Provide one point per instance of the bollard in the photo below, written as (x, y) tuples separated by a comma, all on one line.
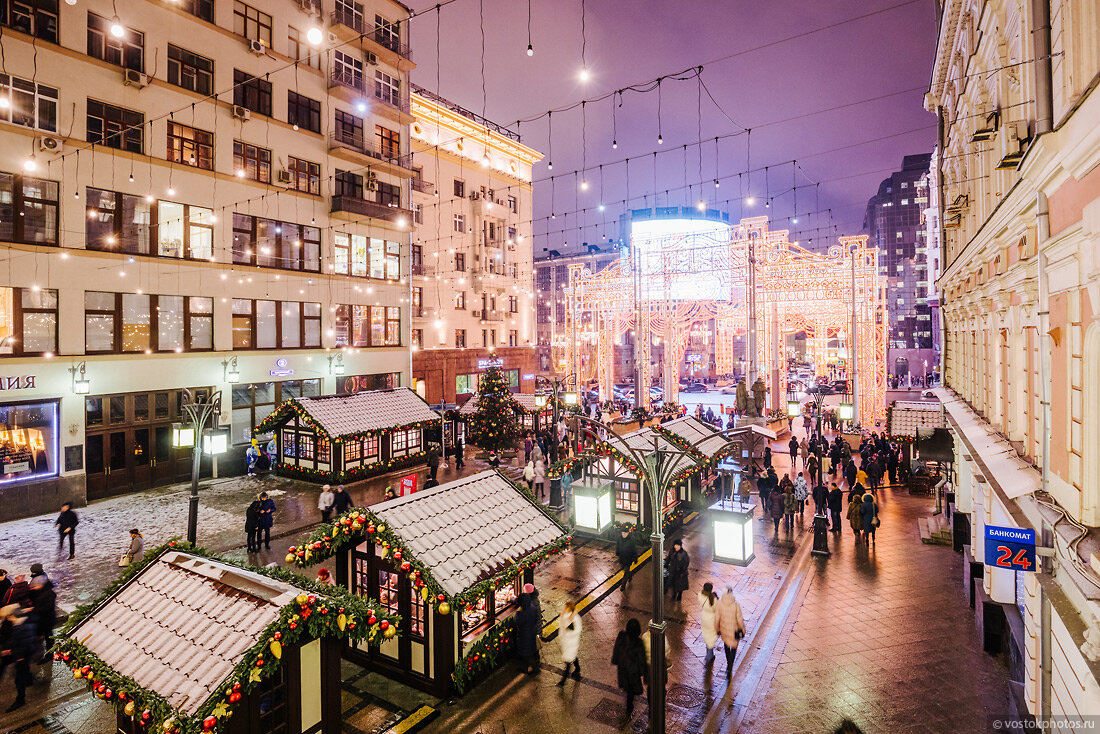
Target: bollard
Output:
[(821, 536)]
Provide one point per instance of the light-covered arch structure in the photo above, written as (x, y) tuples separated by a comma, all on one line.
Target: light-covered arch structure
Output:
[(682, 271)]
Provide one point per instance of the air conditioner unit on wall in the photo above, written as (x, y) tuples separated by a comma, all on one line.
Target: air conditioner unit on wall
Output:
[(284, 176), (1014, 138), (241, 113), (50, 145), (257, 47), (372, 58), (134, 78)]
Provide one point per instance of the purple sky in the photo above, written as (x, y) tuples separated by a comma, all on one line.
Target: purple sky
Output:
[(848, 150)]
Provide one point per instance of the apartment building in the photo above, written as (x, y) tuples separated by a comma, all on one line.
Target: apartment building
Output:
[(472, 296), (1014, 87), (203, 194)]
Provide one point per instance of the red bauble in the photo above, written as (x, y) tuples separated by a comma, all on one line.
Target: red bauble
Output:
[(372, 619), (383, 625), (209, 723)]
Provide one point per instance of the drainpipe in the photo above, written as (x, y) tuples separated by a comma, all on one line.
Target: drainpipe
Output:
[(1040, 44), (941, 135)]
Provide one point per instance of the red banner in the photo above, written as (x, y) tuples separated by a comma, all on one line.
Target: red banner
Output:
[(408, 484)]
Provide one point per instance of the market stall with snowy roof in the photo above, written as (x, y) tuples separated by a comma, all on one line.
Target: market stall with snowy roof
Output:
[(186, 642), (341, 438), (451, 561), (532, 417)]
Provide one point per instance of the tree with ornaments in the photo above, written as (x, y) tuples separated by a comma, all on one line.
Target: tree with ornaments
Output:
[(494, 426)]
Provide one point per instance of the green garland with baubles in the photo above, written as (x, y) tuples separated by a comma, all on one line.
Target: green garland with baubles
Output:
[(351, 475), (323, 611), (272, 421), (485, 654)]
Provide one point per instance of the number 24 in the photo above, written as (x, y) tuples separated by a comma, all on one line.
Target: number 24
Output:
[(1006, 560)]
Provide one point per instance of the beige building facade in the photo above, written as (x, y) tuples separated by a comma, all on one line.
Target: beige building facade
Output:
[(1014, 84), (196, 194)]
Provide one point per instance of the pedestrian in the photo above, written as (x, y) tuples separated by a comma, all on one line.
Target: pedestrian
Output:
[(627, 552), (389, 494), (66, 527), (325, 503), (767, 457), (869, 513), (730, 627), (678, 562), (861, 474), (790, 506), (836, 503), (826, 467), (136, 550), (252, 526), (778, 506), (569, 637), (323, 576), (433, 460), (793, 446), (460, 450), (708, 602), (431, 482), (528, 620), (529, 475), (5, 587), (44, 602), (628, 656), (20, 648), (745, 491), (764, 488), (528, 444), (804, 450), (267, 520), (540, 478), (855, 517), (850, 472), (801, 493), (494, 460), (821, 499), (341, 500)]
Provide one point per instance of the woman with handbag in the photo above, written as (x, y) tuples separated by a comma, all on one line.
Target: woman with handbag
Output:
[(136, 550), (869, 513), (730, 624)]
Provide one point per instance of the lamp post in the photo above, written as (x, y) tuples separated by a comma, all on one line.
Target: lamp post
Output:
[(194, 433), (558, 393)]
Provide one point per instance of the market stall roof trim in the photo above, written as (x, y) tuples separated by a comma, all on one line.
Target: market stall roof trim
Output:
[(468, 530), (526, 402), (180, 626), (642, 440), (691, 429), (371, 410)]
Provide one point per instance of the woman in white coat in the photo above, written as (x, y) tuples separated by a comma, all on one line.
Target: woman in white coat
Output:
[(708, 602), (731, 627), (569, 637), (540, 480)]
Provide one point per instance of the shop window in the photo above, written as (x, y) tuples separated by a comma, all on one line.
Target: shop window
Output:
[(368, 326), (324, 450), (28, 209), (388, 592), (275, 324), (626, 497), (115, 127), (273, 244), (27, 103), (28, 441), (254, 402), (189, 70), (474, 614), (28, 321), (271, 703), (418, 612), (290, 447), (127, 50), (353, 451)]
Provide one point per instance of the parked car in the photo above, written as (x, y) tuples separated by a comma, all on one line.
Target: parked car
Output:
[(822, 390), (730, 389), (695, 387), (840, 385)]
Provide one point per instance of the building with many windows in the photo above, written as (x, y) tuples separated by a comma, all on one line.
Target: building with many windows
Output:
[(1014, 86), (894, 223), (472, 300), (234, 223)]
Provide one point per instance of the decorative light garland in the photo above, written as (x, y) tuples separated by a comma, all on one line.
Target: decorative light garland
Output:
[(485, 654)]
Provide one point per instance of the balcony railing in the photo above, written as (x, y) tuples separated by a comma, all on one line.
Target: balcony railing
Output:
[(362, 207), (344, 17), (349, 79), (360, 145), (424, 187)]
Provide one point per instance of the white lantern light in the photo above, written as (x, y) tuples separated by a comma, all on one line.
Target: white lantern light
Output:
[(592, 512), (733, 540), (541, 401), (845, 411), (570, 398), (215, 441), (793, 408), (183, 436)]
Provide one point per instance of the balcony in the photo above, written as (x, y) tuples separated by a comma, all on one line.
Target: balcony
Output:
[(371, 37), (358, 144), (353, 80), (374, 210), (424, 187)]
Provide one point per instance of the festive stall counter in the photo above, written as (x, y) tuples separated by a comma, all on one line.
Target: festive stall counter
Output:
[(451, 561), (631, 503), (341, 438), (186, 643), (532, 418)]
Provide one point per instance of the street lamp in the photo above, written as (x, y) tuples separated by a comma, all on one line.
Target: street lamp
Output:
[(733, 531), (559, 394), (214, 441), (81, 385), (592, 512)]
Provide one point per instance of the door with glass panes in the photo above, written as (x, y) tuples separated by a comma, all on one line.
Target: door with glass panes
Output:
[(375, 577)]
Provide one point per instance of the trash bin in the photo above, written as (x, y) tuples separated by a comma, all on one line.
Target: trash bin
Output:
[(821, 536)]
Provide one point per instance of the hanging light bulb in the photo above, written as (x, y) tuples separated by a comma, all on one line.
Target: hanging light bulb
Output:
[(749, 200), (313, 35), (768, 204), (584, 75), (131, 178), (716, 184), (660, 139), (794, 220), (601, 207), (116, 28), (550, 165), (4, 103), (614, 144), (171, 191), (530, 50), (584, 184), (485, 159), (701, 206), (30, 164)]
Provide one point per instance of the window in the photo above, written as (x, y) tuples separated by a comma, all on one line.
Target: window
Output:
[(36, 18), (347, 70), (460, 262), (119, 222), (387, 33), (135, 322), (418, 338), (28, 321), (511, 235), (460, 338), (115, 127), (272, 244), (418, 301), (25, 103), (28, 209), (304, 175), (512, 207), (388, 194), (251, 23), (460, 300), (417, 259), (404, 443), (348, 184), (202, 9), (303, 111), (460, 188), (275, 324), (127, 51), (190, 146), (513, 338), (252, 160), (189, 70), (460, 223), (368, 326), (251, 92), (626, 497), (418, 213), (299, 49), (513, 304), (467, 383), (388, 142), (349, 128), (387, 88)]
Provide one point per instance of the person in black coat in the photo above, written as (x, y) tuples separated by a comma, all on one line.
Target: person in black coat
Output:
[(341, 503), (850, 472), (629, 657), (768, 457), (821, 499), (66, 526), (267, 520), (627, 551), (252, 526), (678, 561), (459, 449), (5, 587), (21, 645), (44, 600), (528, 621), (836, 500)]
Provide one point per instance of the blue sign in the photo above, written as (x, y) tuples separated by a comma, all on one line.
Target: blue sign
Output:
[(1010, 548)]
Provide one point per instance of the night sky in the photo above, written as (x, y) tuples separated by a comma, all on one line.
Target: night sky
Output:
[(854, 90)]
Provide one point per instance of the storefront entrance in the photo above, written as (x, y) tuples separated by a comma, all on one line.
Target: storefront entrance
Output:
[(128, 441)]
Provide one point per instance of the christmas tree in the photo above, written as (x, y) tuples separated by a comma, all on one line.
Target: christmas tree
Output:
[(494, 426)]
